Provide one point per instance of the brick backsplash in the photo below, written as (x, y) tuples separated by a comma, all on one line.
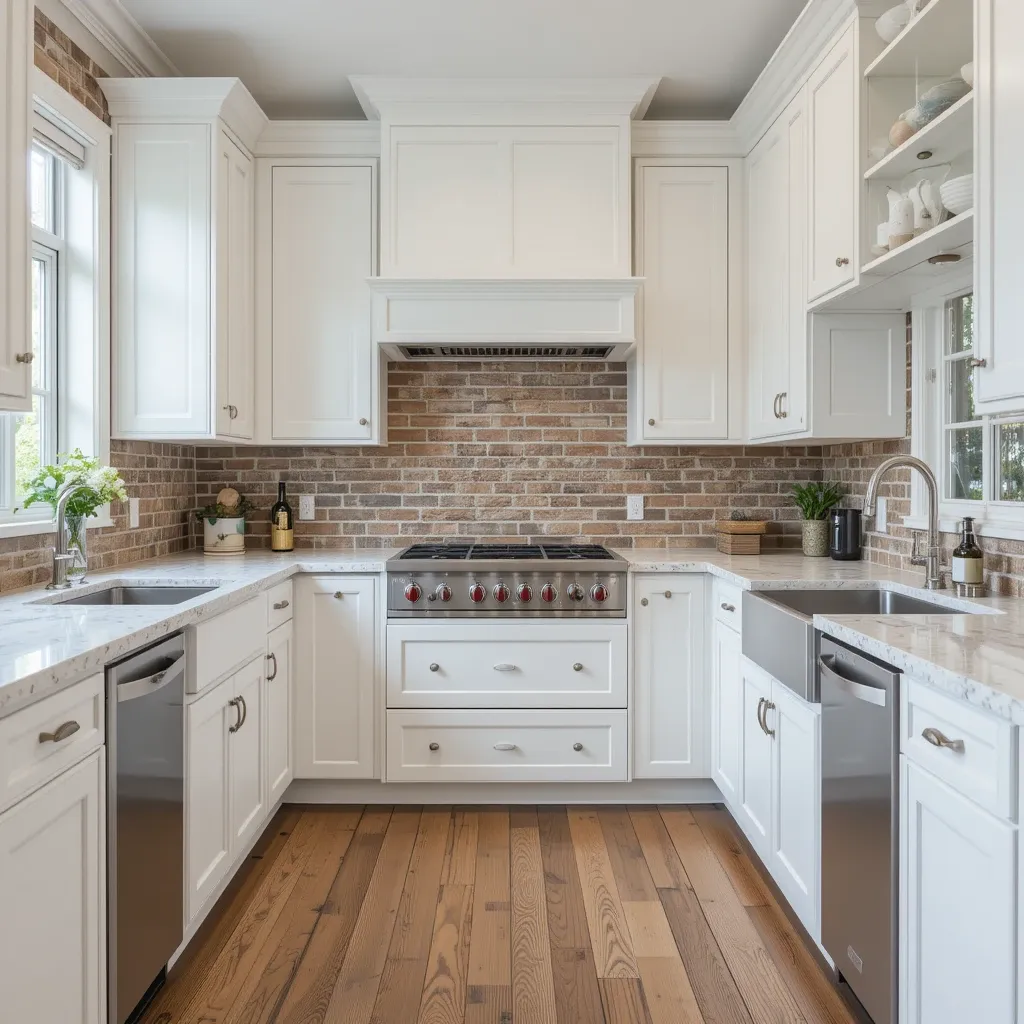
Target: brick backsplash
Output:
[(535, 451), (69, 65)]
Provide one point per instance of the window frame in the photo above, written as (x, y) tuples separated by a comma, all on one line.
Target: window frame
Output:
[(83, 294), (993, 518)]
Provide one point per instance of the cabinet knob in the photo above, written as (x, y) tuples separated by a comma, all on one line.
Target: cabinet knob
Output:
[(668, 593), (363, 421), (434, 666), (338, 595), (650, 423), (24, 357), (842, 261), (435, 746), (577, 747), (643, 601), (938, 739), (62, 732), (578, 666)]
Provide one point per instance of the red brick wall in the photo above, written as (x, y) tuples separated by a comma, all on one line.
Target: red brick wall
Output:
[(69, 66)]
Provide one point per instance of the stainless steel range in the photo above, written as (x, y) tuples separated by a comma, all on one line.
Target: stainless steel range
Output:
[(506, 581)]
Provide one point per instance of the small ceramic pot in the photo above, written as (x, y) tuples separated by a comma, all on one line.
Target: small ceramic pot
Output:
[(224, 536), (815, 538)]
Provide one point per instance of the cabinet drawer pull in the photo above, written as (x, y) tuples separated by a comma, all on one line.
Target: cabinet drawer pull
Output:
[(236, 703), (643, 601), (504, 746), (62, 732), (782, 412), (231, 410), (279, 606), (726, 607), (577, 666), (24, 357), (272, 657), (504, 666), (768, 706), (435, 746), (577, 747), (938, 739), (434, 667), (775, 406), (760, 706)]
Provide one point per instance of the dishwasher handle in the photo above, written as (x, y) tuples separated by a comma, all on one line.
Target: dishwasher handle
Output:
[(859, 691), (133, 688)]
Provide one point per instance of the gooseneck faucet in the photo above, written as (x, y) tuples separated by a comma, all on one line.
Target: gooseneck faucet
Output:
[(61, 556), (933, 574)]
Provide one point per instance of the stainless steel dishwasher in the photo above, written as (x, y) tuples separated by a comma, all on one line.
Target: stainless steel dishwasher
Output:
[(860, 823), (145, 821)]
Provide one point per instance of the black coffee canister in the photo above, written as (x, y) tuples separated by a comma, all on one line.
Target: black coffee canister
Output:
[(844, 534)]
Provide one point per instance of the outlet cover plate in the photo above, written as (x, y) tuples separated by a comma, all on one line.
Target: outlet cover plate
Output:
[(307, 506), (133, 513), (634, 506)]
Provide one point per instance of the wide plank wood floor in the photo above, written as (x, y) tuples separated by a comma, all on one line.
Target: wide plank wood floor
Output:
[(497, 915)]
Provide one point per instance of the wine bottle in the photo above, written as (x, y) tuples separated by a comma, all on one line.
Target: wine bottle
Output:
[(281, 532), (968, 560)]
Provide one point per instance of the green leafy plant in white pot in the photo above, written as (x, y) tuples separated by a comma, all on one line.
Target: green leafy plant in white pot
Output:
[(224, 523), (814, 501), (95, 485)]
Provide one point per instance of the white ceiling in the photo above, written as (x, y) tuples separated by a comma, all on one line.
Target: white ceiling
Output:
[(295, 55)]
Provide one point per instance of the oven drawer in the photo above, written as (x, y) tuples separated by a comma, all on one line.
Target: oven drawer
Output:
[(506, 746), (496, 665)]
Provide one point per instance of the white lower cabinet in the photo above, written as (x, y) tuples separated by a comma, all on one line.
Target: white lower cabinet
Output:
[(727, 711), (277, 712), (335, 690), (53, 900), (225, 797), (958, 912), (669, 676)]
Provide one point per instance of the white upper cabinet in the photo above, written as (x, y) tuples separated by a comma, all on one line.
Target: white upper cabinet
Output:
[(183, 349), (679, 375), (777, 324), (999, 205), (833, 91), (320, 374), (15, 341)]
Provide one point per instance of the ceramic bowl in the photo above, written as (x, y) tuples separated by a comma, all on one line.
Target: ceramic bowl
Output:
[(890, 24), (967, 73), (957, 194), (900, 132), (938, 99)]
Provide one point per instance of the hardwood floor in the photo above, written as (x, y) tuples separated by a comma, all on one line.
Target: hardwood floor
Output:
[(498, 915)]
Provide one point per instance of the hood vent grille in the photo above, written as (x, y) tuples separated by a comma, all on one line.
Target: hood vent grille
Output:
[(506, 351)]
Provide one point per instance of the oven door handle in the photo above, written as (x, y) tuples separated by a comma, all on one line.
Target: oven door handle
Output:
[(859, 691)]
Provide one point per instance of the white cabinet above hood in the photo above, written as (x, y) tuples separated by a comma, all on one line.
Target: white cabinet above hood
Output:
[(505, 215)]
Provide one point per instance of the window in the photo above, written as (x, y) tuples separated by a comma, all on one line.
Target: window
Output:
[(979, 459)]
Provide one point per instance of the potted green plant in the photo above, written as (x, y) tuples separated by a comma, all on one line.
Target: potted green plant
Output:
[(95, 486), (814, 501), (224, 523)]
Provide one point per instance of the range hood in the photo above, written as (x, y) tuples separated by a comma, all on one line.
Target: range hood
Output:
[(505, 217)]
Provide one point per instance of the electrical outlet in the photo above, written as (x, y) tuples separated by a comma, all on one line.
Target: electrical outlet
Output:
[(881, 516), (634, 506), (133, 512), (307, 506)]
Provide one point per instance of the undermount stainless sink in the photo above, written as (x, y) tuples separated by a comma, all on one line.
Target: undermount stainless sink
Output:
[(778, 626), (139, 594)]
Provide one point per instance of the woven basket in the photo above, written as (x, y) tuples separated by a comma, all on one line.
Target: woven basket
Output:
[(740, 536)]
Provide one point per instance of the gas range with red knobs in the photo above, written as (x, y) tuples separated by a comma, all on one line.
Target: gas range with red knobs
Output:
[(514, 581)]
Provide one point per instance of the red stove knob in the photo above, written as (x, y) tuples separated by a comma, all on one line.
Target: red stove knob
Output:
[(501, 593), (477, 593), (443, 592), (413, 592), (574, 592), (548, 593), (525, 593), (599, 592)]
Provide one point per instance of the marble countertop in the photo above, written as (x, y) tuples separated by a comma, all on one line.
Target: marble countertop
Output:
[(977, 656)]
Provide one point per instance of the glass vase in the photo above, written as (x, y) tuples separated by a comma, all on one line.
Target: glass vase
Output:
[(75, 535)]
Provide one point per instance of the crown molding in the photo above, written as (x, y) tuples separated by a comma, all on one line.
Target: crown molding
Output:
[(318, 139), (686, 138), (123, 36)]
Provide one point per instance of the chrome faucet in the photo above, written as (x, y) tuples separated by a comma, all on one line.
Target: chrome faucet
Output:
[(933, 574), (61, 556)]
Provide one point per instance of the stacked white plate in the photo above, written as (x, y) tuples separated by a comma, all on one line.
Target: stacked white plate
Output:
[(957, 194)]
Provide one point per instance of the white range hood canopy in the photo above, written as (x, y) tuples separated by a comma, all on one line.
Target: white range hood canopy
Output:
[(505, 209)]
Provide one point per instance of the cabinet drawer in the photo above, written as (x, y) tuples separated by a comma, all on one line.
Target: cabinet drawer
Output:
[(540, 665), (506, 746), (26, 761), (217, 648), (983, 770), (727, 602), (279, 605)]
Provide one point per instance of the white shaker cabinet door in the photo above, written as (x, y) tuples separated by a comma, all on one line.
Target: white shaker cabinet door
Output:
[(335, 677), (727, 712), (15, 344), (999, 203), (669, 681), (52, 895), (682, 253), (832, 108), (755, 809), (957, 906), (324, 368), (277, 708)]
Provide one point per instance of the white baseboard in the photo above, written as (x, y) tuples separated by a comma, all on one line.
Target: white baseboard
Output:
[(370, 791)]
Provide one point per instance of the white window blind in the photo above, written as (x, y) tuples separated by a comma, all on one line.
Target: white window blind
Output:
[(57, 141)]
